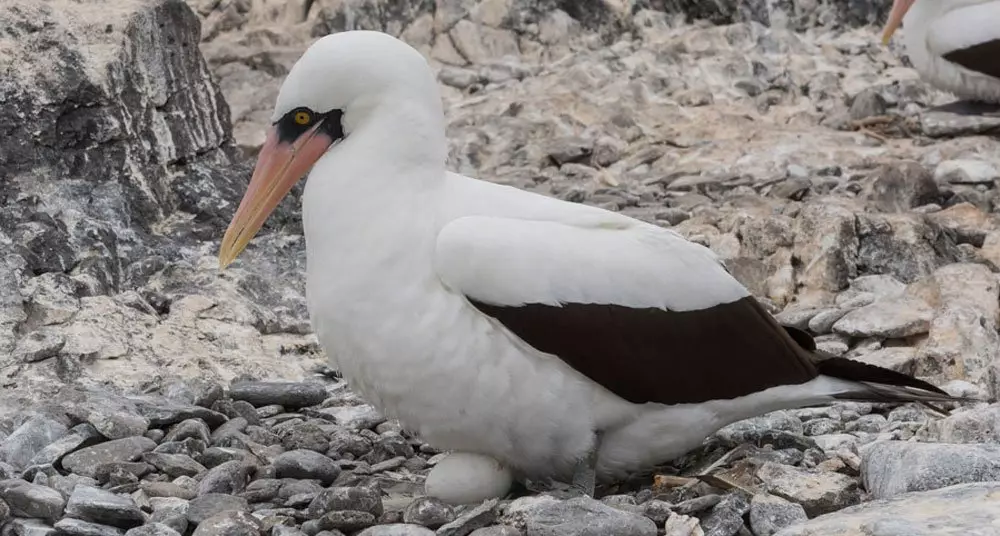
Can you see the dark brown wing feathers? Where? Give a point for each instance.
(983, 58)
(676, 357)
(671, 357)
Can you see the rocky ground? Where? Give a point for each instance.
(135, 376)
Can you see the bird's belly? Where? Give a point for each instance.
(451, 376)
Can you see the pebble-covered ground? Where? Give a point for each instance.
(140, 386)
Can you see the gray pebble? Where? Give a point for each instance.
(29, 527)
(229, 477)
(117, 424)
(152, 529)
(233, 427)
(29, 439)
(162, 413)
(32, 500)
(231, 523)
(726, 518)
(397, 529)
(206, 506)
(390, 446)
(76, 527)
(262, 490)
(242, 408)
(821, 426)
(580, 516)
(496, 530)
(306, 464)
(193, 428)
(85, 461)
(288, 394)
(872, 423)
(657, 510)
(174, 465)
(262, 436)
(697, 504)
(890, 468)
(101, 506)
(214, 456)
(312, 527)
(188, 447)
(300, 487)
(346, 498)
(78, 435)
(168, 489)
(307, 436)
(429, 512)
(769, 514)
(346, 520)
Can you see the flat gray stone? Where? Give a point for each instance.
(32, 500)
(102, 506)
(152, 529)
(580, 516)
(77, 527)
(30, 527)
(230, 523)
(346, 498)
(228, 477)
(77, 436)
(85, 461)
(818, 492)
(961, 510)
(397, 529)
(887, 319)
(29, 439)
(890, 468)
(206, 506)
(174, 465)
(769, 514)
(306, 464)
(428, 512)
(287, 394)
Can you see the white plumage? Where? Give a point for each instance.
(934, 29)
(399, 250)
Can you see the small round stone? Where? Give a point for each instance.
(429, 512)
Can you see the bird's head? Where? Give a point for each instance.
(896, 14)
(339, 82)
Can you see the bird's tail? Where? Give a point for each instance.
(864, 382)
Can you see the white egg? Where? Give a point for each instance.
(464, 478)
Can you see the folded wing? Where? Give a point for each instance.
(638, 309)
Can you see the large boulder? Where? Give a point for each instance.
(118, 175)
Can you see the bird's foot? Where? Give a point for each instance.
(585, 473)
(583, 484)
(559, 490)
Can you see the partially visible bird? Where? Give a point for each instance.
(953, 44)
(557, 340)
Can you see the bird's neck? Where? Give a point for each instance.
(369, 204)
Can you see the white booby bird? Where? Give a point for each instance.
(559, 339)
(953, 44)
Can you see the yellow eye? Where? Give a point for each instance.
(303, 118)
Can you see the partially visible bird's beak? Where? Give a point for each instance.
(896, 14)
(280, 165)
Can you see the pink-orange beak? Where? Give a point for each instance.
(280, 165)
(896, 14)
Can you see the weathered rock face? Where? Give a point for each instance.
(962, 509)
(116, 169)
